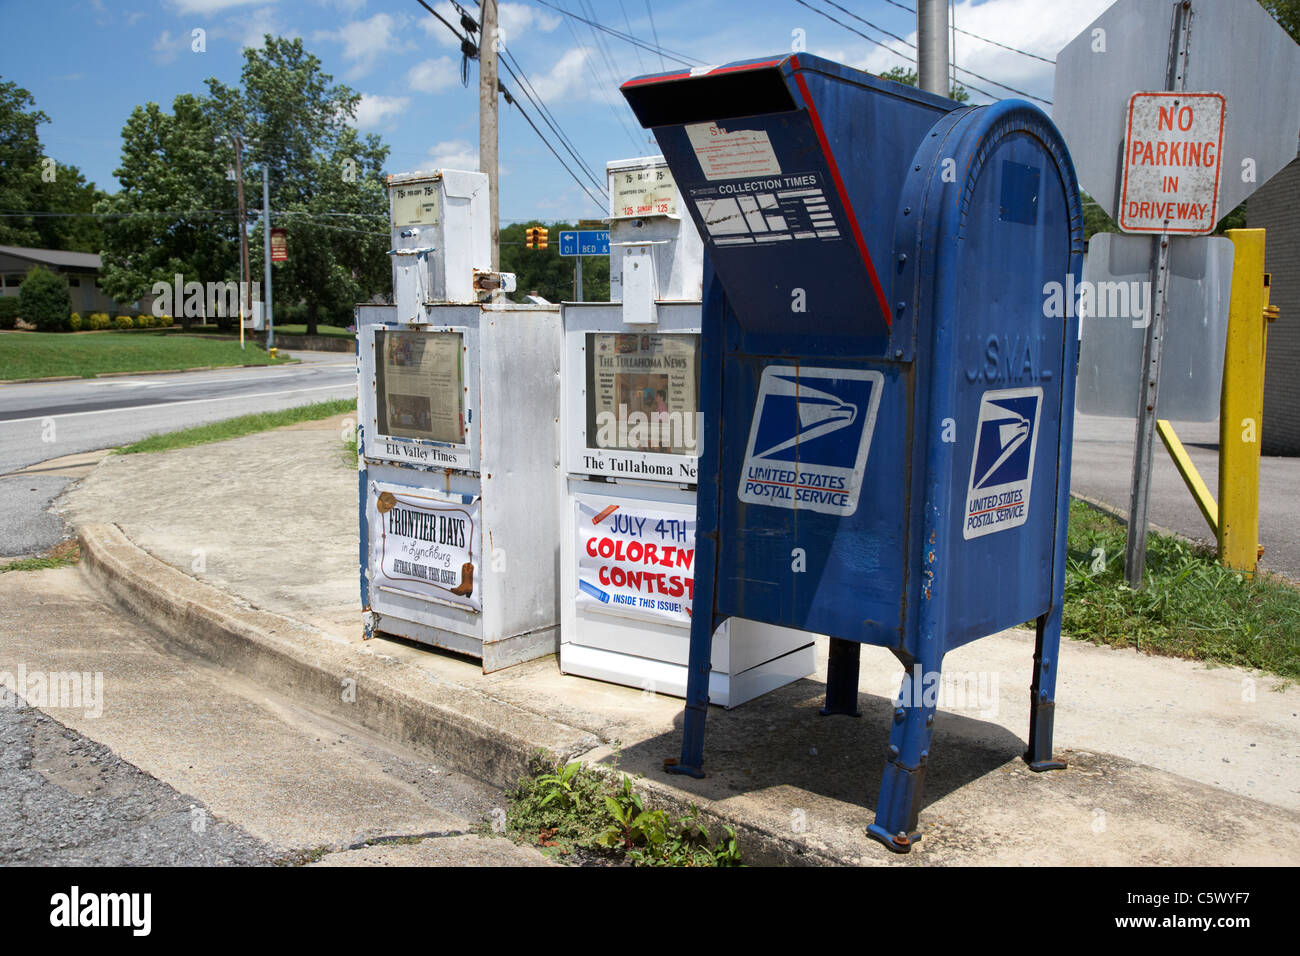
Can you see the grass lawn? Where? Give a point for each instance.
(45, 354)
(1191, 606)
(243, 425)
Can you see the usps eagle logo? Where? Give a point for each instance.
(809, 438)
(1002, 462)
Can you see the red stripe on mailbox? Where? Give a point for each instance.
(844, 198)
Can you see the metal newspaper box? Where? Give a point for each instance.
(629, 437)
(458, 406)
(886, 399)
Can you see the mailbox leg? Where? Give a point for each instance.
(699, 665)
(1042, 699)
(903, 781)
(842, 678)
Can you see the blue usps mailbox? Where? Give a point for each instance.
(886, 396)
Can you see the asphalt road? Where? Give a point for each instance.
(152, 756)
(49, 420)
(1103, 469)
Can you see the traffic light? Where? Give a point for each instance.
(535, 237)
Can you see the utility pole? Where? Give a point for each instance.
(932, 46)
(266, 260)
(487, 117)
(246, 300)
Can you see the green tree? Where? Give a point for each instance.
(66, 191)
(326, 182)
(908, 77)
(1095, 219)
(44, 301)
(1286, 13)
(545, 271)
(20, 159)
(31, 182)
(175, 210)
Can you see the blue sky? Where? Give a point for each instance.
(89, 62)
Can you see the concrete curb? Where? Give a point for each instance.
(487, 738)
(482, 736)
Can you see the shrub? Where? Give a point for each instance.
(143, 320)
(44, 301)
(163, 321)
(123, 322)
(74, 322)
(8, 312)
(99, 320)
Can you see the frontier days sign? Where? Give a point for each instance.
(1172, 156)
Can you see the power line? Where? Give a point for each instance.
(533, 96)
(627, 21)
(886, 46)
(543, 113)
(976, 36)
(894, 36)
(176, 214)
(510, 99)
(601, 86)
(960, 69)
(679, 57)
(986, 79)
(524, 114)
(578, 45)
(654, 31)
(912, 59)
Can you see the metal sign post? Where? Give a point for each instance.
(1135, 553)
(579, 243)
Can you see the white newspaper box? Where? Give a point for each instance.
(630, 429)
(458, 409)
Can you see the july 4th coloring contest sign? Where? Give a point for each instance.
(636, 561)
(426, 543)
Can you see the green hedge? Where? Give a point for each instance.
(44, 300)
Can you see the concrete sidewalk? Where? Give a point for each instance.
(246, 552)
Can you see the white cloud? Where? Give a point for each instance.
(454, 154)
(569, 79)
(516, 20)
(252, 28)
(374, 109)
(203, 7)
(166, 47)
(364, 41)
(347, 6)
(438, 31)
(433, 76)
(1029, 25)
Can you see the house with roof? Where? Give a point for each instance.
(81, 269)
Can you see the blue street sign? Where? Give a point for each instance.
(585, 242)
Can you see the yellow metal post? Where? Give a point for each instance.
(1191, 477)
(1242, 405)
